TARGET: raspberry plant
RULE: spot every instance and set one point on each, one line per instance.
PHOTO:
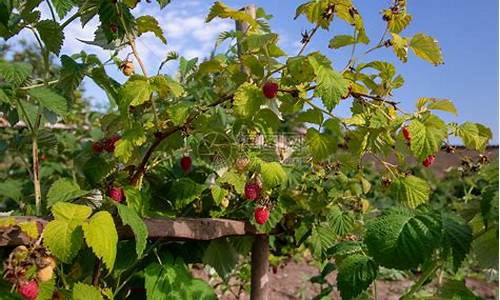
(194, 145)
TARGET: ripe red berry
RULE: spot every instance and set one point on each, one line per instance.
(261, 215)
(97, 147)
(406, 134)
(270, 89)
(428, 161)
(29, 290)
(252, 190)
(109, 144)
(186, 163)
(116, 193)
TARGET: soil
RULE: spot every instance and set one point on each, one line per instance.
(291, 282)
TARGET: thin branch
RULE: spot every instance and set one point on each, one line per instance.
(51, 11)
(141, 168)
(24, 88)
(70, 19)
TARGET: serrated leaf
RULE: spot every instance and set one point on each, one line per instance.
(426, 48)
(247, 100)
(355, 275)
(134, 92)
(402, 238)
(62, 7)
(400, 47)
(11, 188)
(319, 144)
(100, 235)
(63, 239)
(183, 191)
(179, 112)
(74, 214)
(83, 291)
(72, 74)
(341, 222)
(29, 228)
(166, 86)
(221, 256)
(132, 138)
(322, 238)
(131, 218)
(218, 194)
(456, 290)
(51, 34)
(313, 115)
(15, 72)
(410, 190)
(398, 22)
(64, 189)
(457, 239)
(50, 99)
(150, 24)
(47, 289)
(331, 86)
(485, 248)
(221, 10)
(427, 136)
(475, 136)
(437, 104)
(272, 174)
(235, 179)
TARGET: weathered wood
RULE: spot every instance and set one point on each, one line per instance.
(180, 228)
(260, 265)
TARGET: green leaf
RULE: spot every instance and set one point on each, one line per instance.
(83, 291)
(51, 34)
(402, 238)
(134, 92)
(426, 48)
(179, 112)
(218, 193)
(427, 136)
(172, 281)
(475, 136)
(319, 144)
(150, 24)
(166, 86)
(63, 239)
(331, 86)
(322, 238)
(72, 74)
(455, 290)
(221, 10)
(437, 104)
(312, 115)
(457, 239)
(131, 218)
(247, 100)
(340, 222)
(131, 138)
(221, 256)
(64, 189)
(74, 214)
(485, 248)
(100, 235)
(272, 174)
(50, 99)
(410, 190)
(235, 179)
(355, 275)
(47, 289)
(62, 7)
(400, 47)
(184, 191)
(11, 188)
(15, 72)
(340, 41)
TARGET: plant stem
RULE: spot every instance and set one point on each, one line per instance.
(70, 19)
(36, 175)
(24, 88)
(51, 11)
(420, 282)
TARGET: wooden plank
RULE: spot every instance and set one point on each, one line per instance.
(180, 228)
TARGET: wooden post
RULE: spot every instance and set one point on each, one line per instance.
(250, 10)
(260, 265)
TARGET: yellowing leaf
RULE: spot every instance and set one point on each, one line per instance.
(150, 24)
(247, 100)
(135, 91)
(426, 48)
(410, 190)
(221, 10)
(475, 136)
(400, 47)
(427, 136)
(100, 235)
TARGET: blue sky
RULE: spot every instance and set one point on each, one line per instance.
(466, 30)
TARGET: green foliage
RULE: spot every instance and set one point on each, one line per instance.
(15, 73)
(356, 273)
(83, 291)
(64, 189)
(150, 24)
(51, 34)
(50, 99)
(222, 256)
(427, 136)
(131, 218)
(402, 238)
(410, 190)
(100, 235)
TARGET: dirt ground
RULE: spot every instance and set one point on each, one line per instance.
(291, 282)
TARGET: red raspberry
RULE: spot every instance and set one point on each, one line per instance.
(270, 89)
(406, 134)
(261, 215)
(428, 161)
(116, 193)
(109, 144)
(29, 290)
(186, 163)
(97, 147)
(252, 190)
